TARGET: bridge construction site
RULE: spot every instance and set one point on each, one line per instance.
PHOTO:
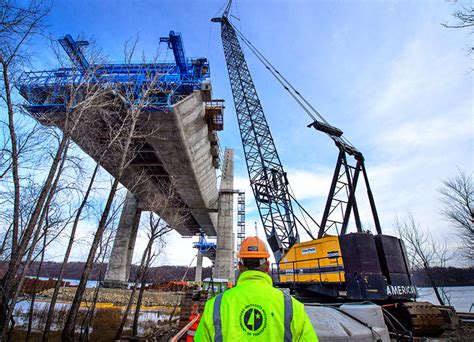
(185, 154)
(155, 128)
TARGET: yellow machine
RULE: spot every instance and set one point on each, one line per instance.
(313, 261)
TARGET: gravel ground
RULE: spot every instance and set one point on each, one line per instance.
(465, 332)
(116, 296)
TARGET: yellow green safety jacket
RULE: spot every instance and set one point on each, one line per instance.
(254, 310)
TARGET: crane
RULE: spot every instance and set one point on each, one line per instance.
(267, 177)
(342, 267)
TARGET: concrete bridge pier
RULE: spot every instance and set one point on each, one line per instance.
(121, 256)
(198, 276)
(224, 264)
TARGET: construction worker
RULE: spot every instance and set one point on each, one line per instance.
(254, 309)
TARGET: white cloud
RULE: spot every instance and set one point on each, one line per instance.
(307, 185)
(422, 114)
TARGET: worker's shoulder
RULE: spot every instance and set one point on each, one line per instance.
(231, 292)
(227, 293)
(210, 301)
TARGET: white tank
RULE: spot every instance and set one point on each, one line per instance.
(331, 324)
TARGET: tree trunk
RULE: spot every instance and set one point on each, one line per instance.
(92, 309)
(14, 155)
(139, 303)
(33, 297)
(433, 284)
(49, 317)
(18, 283)
(8, 281)
(118, 334)
(68, 331)
(138, 279)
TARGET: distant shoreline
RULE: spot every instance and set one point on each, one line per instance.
(444, 277)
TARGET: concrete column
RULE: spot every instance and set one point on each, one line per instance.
(121, 256)
(224, 264)
(198, 276)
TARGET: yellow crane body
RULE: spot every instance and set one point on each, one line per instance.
(317, 260)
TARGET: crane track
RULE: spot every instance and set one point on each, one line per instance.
(421, 318)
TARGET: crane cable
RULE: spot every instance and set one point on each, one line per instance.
(297, 96)
(281, 79)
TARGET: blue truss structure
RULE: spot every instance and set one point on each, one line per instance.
(47, 90)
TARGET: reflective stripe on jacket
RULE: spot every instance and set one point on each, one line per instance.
(254, 310)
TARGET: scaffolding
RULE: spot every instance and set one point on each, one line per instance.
(47, 90)
(240, 218)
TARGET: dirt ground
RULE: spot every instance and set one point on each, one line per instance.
(465, 332)
(117, 296)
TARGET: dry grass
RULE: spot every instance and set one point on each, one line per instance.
(117, 296)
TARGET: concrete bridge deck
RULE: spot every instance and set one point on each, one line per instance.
(182, 153)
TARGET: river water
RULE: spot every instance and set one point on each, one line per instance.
(461, 297)
(148, 319)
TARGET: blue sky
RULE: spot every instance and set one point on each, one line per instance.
(386, 72)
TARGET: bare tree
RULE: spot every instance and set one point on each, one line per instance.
(165, 201)
(101, 256)
(423, 252)
(80, 96)
(126, 116)
(457, 196)
(36, 237)
(19, 25)
(157, 229)
(465, 18)
(67, 254)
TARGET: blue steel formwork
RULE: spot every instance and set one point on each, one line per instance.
(46, 90)
(208, 249)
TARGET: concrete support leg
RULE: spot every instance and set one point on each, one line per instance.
(224, 264)
(198, 276)
(121, 256)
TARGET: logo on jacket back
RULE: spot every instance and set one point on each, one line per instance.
(253, 319)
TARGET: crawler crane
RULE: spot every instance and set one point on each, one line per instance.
(342, 267)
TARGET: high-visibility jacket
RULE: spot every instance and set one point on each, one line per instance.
(254, 310)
